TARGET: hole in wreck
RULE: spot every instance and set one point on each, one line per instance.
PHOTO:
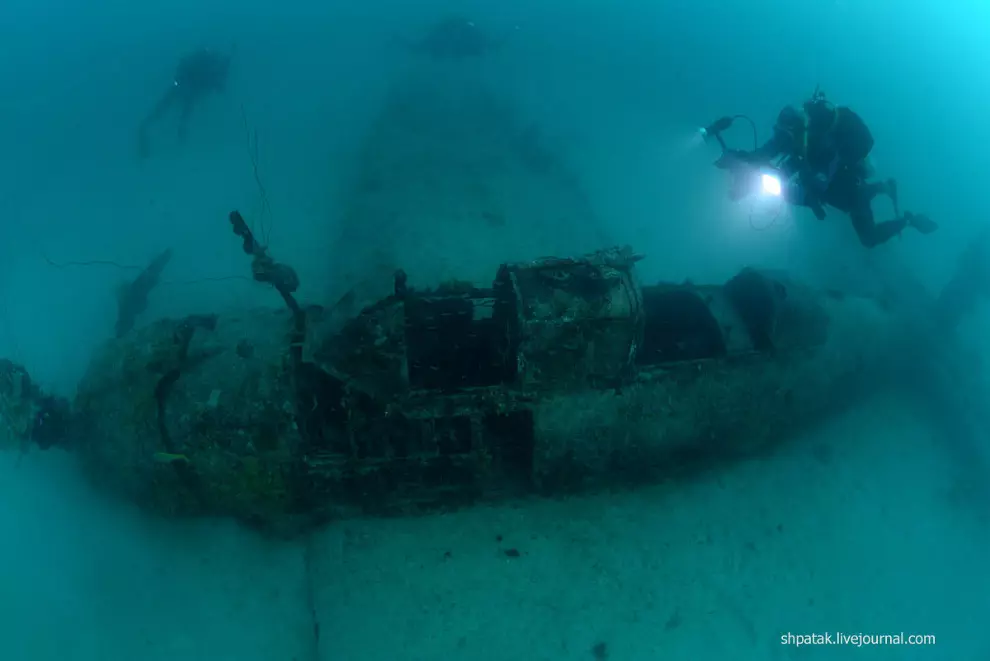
(757, 299)
(679, 326)
(459, 341)
(422, 464)
(447, 436)
(513, 439)
(321, 407)
(411, 464)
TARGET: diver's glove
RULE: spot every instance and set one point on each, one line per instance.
(734, 159)
(795, 193)
(798, 194)
(819, 183)
(750, 157)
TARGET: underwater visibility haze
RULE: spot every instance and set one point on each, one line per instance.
(477, 330)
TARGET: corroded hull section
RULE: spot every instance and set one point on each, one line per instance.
(565, 374)
(568, 375)
(195, 417)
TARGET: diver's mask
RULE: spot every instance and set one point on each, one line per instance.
(792, 124)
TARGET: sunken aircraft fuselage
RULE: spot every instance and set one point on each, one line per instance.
(564, 375)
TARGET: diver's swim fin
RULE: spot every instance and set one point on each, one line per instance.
(920, 222)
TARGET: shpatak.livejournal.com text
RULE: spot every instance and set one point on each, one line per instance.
(856, 639)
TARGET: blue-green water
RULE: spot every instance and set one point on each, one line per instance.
(867, 525)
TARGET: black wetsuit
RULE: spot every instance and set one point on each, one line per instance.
(828, 156)
(198, 75)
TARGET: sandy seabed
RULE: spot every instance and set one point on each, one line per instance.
(859, 527)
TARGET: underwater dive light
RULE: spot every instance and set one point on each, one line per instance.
(770, 185)
(716, 127)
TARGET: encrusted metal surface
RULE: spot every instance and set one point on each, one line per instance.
(566, 374)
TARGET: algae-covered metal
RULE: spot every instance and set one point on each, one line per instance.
(564, 374)
(568, 374)
(195, 416)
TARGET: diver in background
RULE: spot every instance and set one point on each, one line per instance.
(197, 75)
(825, 150)
(454, 38)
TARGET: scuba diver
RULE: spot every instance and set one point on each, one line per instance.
(197, 76)
(824, 152)
(454, 38)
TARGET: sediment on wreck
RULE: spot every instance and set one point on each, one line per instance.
(220, 439)
(564, 374)
(567, 374)
(201, 415)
